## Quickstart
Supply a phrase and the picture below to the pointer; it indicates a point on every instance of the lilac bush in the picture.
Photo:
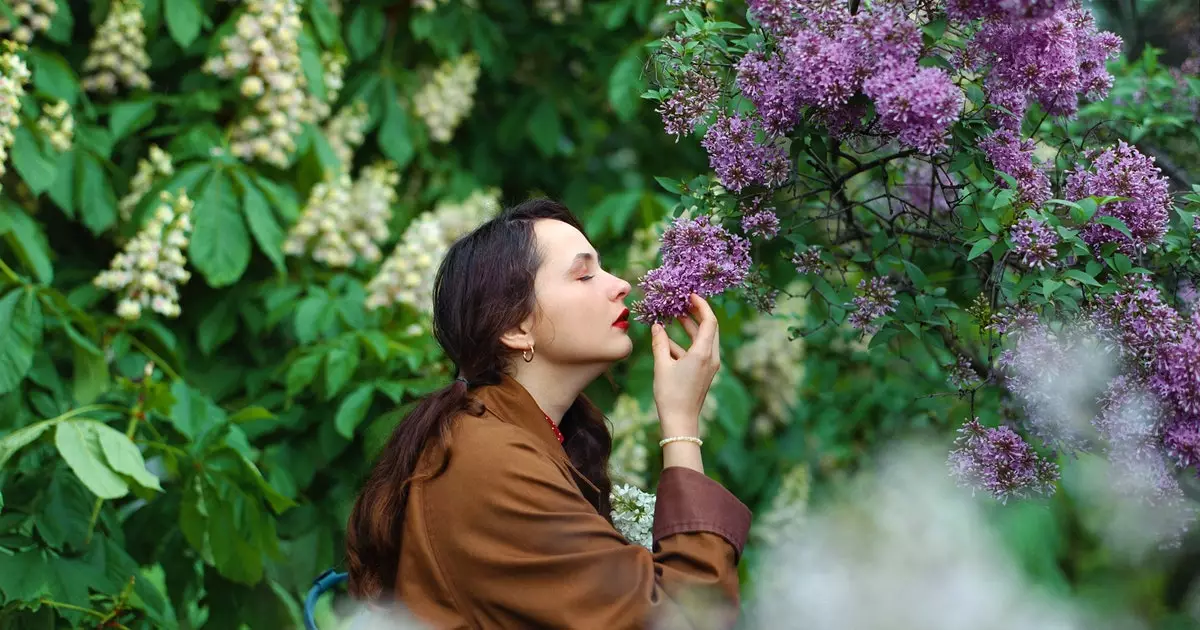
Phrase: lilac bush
(916, 165)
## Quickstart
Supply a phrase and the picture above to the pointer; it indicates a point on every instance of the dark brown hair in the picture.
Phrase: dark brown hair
(483, 288)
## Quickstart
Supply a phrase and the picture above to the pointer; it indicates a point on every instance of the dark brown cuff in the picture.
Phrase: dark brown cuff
(688, 501)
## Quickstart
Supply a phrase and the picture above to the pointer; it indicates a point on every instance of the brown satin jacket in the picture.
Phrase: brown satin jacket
(508, 536)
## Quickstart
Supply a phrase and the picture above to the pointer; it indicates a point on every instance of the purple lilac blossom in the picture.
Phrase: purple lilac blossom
(809, 261)
(776, 16)
(1124, 172)
(967, 10)
(738, 159)
(1014, 320)
(759, 221)
(689, 105)
(1177, 370)
(1182, 440)
(1188, 294)
(918, 105)
(875, 299)
(1138, 319)
(1010, 154)
(766, 83)
(999, 462)
(1034, 242)
(922, 192)
(698, 257)
(961, 374)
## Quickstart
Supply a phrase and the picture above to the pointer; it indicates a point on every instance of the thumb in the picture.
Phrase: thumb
(659, 344)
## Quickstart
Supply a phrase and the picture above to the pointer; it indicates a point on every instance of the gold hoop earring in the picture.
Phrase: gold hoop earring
(530, 356)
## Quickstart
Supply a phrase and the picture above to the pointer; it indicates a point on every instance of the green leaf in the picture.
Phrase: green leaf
(124, 457)
(217, 326)
(20, 336)
(309, 317)
(918, 276)
(263, 226)
(352, 410)
(1122, 263)
(340, 364)
(90, 377)
(991, 223)
(545, 127)
(980, 246)
(616, 209)
(63, 520)
(1116, 224)
(26, 238)
(62, 26)
(1049, 286)
(125, 118)
(184, 18)
(53, 76)
(220, 246)
(324, 21)
(310, 64)
(670, 185)
(395, 135)
(193, 412)
(1082, 277)
(79, 444)
(302, 372)
(625, 84)
(62, 191)
(96, 201)
(364, 33)
(250, 414)
(38, 171)
(21, 438)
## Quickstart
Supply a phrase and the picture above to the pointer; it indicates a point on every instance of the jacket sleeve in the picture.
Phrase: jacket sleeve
(521, 546)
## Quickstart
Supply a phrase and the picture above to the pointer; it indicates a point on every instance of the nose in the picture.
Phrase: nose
(623, 288)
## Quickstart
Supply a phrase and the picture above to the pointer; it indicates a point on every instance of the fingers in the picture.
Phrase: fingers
(708, 325)
(689, 325)
(677, 350)
(660, 344)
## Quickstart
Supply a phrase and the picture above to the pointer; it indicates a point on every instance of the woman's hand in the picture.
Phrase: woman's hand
(682, 377)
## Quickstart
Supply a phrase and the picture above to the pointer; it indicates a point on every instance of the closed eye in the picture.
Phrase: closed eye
(586, 278)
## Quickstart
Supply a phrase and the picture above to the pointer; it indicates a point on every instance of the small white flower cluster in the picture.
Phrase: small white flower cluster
(446, 99)
(643, 250)
(14, 75)
(58, 124)
(265, 48)
(35, 17)
(427, 5)
(345, 220)
(149, 170)
(151, 268)
(334, 77)
(345, 132)
(118, 54)
(408, 273)
(629, 458)
(788, 509)
(556, 11)
(633, 514)
(773, 362)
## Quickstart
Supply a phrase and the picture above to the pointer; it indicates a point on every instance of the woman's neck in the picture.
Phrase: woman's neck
(553, 387)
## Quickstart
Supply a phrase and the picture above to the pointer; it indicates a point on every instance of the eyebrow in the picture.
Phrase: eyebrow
(583, 256)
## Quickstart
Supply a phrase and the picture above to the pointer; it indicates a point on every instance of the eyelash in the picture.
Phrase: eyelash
(586, 278)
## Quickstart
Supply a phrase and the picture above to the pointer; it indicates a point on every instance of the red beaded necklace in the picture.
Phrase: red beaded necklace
(558, 434)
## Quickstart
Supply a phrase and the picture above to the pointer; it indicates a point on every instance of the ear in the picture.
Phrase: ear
(520, 337)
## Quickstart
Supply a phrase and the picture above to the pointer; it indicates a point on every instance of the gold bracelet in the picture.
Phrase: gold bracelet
(680, 438)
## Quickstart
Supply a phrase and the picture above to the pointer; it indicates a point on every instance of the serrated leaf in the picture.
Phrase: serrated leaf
(263, 226)
(20, 336)
(395, 135)
(220, 246)
(97, 203)
(53, 75)
(90, 375)
(38, 171)
(364, 32)
(184, 18)
(352, 410)
(26, 238)
(193, 412)
(125, 118)
(324, 21)
(79, 445)
(19, 439)
(124, 457)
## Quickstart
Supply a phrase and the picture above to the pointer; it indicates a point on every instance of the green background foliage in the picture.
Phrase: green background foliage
(210, 490)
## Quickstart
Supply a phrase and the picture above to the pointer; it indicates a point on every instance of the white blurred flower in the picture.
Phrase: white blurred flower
(446, 99)
(556, 11)
(14, 76)
(150, 170)
(643, 250)
(118, 53)
(427, 5)
(345, 131)
(58, 124)
(408, 273)
(772, 361)
(346, 220)
(788, 509)
(629, 458)
(34, 16)
(633, 514)
(148, 272)
(265, 53)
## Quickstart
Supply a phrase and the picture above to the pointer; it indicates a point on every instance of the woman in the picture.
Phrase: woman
(489, 507)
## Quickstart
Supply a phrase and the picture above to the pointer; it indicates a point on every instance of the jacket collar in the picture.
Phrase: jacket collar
(512, 403)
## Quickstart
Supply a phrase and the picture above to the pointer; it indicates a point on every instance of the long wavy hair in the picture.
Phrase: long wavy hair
(483, 288)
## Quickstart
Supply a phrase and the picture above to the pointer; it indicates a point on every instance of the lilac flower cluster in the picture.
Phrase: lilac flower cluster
(967, 10)
(829, 56)
(1034, 242)
(809, 261)
(1138, 320)
(699, 257)
(962, 375)
(1000, 462)
(1177, 370)
(739, 159)
(927, 187)
(1124, 172)
(759, 221)
(875, 299)
(1053, 58)
(1010, 154)
(696, 96)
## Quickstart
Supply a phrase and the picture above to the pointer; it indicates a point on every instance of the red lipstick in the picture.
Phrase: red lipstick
(622, 320)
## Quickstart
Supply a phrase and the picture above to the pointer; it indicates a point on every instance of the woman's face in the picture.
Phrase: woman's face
(581, 316)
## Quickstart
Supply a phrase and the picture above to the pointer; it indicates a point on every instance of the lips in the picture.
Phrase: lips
(622, 320)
